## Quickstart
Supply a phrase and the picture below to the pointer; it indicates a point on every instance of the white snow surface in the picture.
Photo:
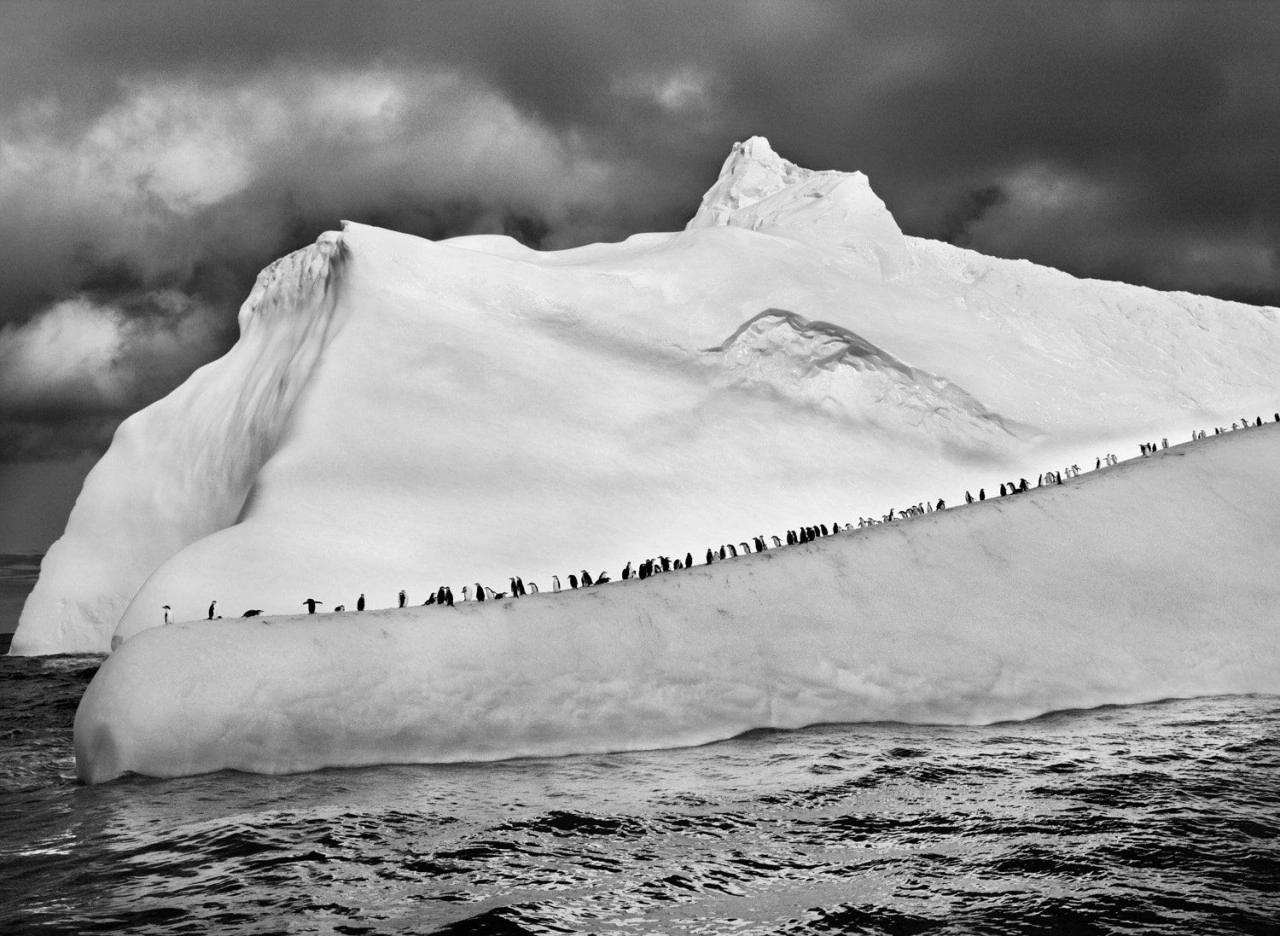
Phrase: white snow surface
(401, 413)
(1150, 580)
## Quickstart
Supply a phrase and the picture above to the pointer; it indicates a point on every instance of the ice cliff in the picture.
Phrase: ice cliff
(400, 413)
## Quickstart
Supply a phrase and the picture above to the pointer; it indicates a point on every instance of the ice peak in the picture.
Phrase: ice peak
(753, 172)
(759, 190)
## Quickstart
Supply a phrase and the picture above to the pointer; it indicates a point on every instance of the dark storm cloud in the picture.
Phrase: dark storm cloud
(154, 157)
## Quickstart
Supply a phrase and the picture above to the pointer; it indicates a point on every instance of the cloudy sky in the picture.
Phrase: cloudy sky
(155, 156)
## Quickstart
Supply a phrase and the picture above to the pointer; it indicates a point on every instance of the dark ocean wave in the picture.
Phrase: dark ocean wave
(1161, 818)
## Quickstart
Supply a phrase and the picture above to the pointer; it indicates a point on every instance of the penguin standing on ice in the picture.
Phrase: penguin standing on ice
(168, 614)
(688, 560)
(709, 556)
(555, 583)
(213, 605)
(573, 581)
(448, 596)
(360, 602)
(403, 598)
(479, 592)
(586, 578)
(311, 604)
(626, 571)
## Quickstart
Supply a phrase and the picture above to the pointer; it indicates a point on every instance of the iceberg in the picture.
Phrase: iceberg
(400, 413)
(1148, 580)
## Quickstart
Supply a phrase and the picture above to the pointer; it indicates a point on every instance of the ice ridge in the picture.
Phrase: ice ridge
(833, 363)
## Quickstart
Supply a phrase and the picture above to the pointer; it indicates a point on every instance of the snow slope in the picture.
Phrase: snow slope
(1150, 580)
(400, 413)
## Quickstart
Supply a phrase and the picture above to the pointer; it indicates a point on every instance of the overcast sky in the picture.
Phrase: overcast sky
(155, 156)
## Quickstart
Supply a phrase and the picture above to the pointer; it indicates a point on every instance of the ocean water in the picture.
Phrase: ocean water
(1160, 818)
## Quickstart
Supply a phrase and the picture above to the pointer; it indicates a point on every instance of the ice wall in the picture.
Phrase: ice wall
(182, 468)
(1145, 581)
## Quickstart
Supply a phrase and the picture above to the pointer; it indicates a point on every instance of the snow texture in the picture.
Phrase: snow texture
(1149, 580)
(401, 413)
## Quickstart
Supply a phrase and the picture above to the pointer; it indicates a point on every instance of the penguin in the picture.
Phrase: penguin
(626, 571)
(403, 598)
(311, 604)
(212, 606)
(823, 528)
(514, 591)
(479, 592)
(688, 560)
(252, 612)
(440, 595)
(602, 578)
(339, 609)
(555, 583)
(644, 571)
(431, 599)
(573, 581)
(448, 596)
(666, 563)
(493, 595)
(942, 505)
(360, 602)
(776, 542)
(466, 592)
(520, 585)
(586, 579)
(744, 548)
(709, 556)
(982, 494)
(533, 587)
(168, 614)
(679, 564)
(1002, 491)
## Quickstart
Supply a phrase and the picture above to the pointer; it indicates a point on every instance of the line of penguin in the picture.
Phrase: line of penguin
(443, 596)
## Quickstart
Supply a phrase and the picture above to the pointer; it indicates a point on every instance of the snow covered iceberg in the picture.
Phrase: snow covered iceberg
(1149, 580)
(400, 413)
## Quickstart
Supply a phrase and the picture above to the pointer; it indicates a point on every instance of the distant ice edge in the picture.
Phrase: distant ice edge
(1146, 581)
(158, 499)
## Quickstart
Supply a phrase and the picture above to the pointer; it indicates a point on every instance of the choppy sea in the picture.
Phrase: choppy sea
(1158, 818)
